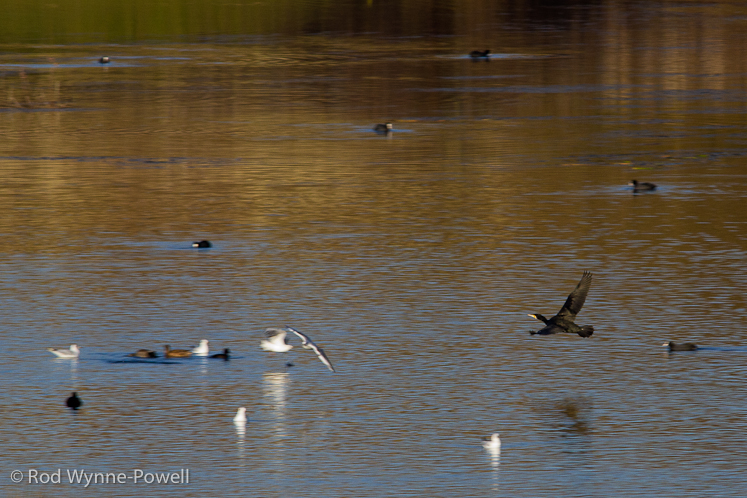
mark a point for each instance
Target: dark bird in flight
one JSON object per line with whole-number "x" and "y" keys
{"x": 685, "y": 346}
{"x": 641, "y": 186}
{"x": 74, "y": 401}
{"x": 564, "y": 321}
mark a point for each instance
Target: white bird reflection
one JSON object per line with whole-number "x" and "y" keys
{"x": 495, "y": 457}
{"x": 275, "y": 387}
{"x": 65, "y": 368}
{"x": 239, "y": 423}
{"x": 492, "y": 445}
{"x": 74, "y": 370}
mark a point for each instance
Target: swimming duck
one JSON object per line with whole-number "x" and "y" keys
{"x": 479, "y": 53}
{"x": 203, "y": 244}
{"x": 383, "y": 128}
{"x": 144, "y": 353}
{"x": 685, "y": 346}
{"x": 71, "y": 353}
{"x": 74, "y": 401}
{"x": 104, "y": 60}
{"x": 640, "y": 186}
{"x": 176, "y": 353}
{"x": 225, "y": 355}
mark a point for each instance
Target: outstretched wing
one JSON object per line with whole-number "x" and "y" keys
{"x": 549, "y": 330}
{"x": 309, "y": 344}
{"x": 576, "y": 298}
{"x": 323, "y": 357}
{"x": 305, "y": 340}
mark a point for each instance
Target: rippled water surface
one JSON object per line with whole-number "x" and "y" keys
{"x": 412, "y": 258}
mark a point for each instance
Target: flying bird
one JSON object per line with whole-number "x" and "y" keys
{"x": 277, "y": 341}
{"x": 307, "y": 343}
{"x": 564, "y": 320}
{"x": 71, "y": 353}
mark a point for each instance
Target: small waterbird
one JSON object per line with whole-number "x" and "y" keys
{"x": 71, "y": 353}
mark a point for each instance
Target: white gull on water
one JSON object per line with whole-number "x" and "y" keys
{"x": 240, "y": 417}
{"x": 492, "y": 443}
{"x": 73, "y": 352}
{"x": 202, "y": 349}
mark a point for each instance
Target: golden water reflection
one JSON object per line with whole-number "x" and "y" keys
{"x": 419, "y": 253}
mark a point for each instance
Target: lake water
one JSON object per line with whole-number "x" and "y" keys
{"x": 412, "y": 258}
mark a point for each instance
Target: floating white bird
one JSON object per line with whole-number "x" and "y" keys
{"x": 307, "y": 343}
{"x": 276, "y": 341}
{"x": 202, "y": 349}
{"x": 71, "y": 353}
{"x": 240, "y": 417}
{"x": 492, "y": 443}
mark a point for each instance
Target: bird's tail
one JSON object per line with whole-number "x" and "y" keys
{"x": 586, "y": 331}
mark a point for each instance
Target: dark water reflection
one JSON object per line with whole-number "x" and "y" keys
{"x": 413, "y": 258}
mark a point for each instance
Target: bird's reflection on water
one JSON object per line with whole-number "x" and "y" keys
{"x": 576, "y": 414}
{"x": 240, "y": 433}
{"x": 67, "y": 367}
{"x": 495, "y": 461}
{"x": 275, "y": 387}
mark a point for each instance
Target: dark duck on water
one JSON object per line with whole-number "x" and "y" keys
{"x": 564, "y": 321}
{"x": 475, "y": 54}
{"x": 73, "y": 402}
{"x": 641, "y": 186}
{"x": 685, "y": 346}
